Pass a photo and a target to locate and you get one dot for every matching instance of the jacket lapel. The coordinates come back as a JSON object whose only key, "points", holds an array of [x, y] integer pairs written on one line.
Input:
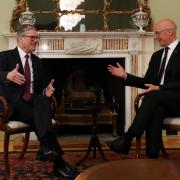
{"points": [[172, 58], [17, 60]]}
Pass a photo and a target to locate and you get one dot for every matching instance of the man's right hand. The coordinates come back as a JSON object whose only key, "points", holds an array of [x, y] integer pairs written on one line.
{"points": [[15, 76]]}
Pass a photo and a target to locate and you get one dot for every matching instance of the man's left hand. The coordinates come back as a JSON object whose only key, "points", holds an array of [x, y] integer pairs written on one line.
{"points": [[150, 88], [49, 91]]}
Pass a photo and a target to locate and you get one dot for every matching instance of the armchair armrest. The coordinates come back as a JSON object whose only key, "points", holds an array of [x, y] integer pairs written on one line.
{"points": [[137, 101], [53, 106], [5, 109]]}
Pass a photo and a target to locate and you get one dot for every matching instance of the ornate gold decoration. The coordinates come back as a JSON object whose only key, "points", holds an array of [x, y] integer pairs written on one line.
{"points": [[20, 7], [105, 12]]}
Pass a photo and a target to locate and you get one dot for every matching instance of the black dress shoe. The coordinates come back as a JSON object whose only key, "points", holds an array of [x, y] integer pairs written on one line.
{"points": [[40, 156], [65, 171], [46, 154], [121, 145]]}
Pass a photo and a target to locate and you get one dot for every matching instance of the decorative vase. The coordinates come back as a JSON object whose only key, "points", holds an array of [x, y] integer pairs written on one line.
{"points": [[140, 19], [27, 17]]}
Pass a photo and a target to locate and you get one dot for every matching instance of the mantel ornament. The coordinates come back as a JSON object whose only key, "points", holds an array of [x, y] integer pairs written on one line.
{"points": [[27, 17], [140, 19]]}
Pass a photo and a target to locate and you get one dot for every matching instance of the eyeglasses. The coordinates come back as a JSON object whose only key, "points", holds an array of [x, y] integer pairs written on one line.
{"points": [[33, 37], [157, 33]]}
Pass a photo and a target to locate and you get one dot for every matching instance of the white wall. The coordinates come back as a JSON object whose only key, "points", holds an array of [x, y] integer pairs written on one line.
{"points": [[6, 8], [165, 9]]}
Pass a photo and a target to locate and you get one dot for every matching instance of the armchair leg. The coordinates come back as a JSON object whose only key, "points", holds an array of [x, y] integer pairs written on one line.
{"points": [[6, 154], [163, 149], [25, 144], [138, 147], [114, 125]]}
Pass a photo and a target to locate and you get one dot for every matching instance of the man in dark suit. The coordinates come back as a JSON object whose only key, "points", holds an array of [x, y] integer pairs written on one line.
{"points": [[24, 84], [162, 87]]}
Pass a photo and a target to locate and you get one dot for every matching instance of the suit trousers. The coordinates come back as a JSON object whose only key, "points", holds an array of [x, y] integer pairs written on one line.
{"points": [[37, 113], [155, 107]]}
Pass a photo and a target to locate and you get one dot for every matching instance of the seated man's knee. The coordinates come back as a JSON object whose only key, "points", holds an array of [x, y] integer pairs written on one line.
{"points": [[41, 98], [153, 95]]}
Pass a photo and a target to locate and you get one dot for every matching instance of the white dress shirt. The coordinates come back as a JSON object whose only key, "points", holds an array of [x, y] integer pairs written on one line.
{"points": [[172, 46], [23, 59]]}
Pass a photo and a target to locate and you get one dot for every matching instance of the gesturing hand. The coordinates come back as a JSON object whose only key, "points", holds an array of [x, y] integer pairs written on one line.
{"points": [[15, 76], [49, 91], [117, 71]]}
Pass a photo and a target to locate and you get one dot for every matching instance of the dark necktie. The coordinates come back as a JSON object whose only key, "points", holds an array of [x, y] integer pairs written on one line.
{"points": [[27, 94], [162, 67]]}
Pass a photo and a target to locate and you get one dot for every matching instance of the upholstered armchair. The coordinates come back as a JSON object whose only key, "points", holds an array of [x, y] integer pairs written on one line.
{"points": [[169, 123], [10, 127]]}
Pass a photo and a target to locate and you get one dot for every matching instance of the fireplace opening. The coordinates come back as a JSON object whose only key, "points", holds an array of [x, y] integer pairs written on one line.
{"points": [[80, 89], [83, 80]]}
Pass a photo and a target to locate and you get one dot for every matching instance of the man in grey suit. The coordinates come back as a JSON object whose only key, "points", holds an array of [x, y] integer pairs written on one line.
{"points": [[162, 87], [23, 82]]}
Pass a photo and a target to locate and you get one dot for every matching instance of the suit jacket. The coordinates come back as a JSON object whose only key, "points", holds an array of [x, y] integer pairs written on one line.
{"points": [[13, 91], [172, 72]]}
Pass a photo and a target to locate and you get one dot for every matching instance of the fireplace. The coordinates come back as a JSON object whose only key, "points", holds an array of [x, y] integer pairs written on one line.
{"points": [[134, 47], [86, 80]]}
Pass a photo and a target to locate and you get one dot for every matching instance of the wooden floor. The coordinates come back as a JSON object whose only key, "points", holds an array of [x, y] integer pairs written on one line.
{"points": [[171, 141]]}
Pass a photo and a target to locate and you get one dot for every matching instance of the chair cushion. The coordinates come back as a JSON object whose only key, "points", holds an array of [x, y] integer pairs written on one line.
{"points": [[172, 120], [53, 121], [18, 124]]}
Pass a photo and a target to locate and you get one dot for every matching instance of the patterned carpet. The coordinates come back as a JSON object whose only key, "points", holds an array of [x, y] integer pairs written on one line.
{"points": [[29, 169]]}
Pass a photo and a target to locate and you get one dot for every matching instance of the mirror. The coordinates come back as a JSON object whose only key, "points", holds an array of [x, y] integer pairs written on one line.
{"points": [[69, 15]]}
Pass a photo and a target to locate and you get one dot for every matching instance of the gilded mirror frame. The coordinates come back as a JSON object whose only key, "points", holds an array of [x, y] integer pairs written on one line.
{"points": [[53, 16]]}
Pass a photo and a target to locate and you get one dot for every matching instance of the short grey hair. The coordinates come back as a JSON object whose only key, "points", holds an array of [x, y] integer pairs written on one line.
{"points": [[23, 28]]}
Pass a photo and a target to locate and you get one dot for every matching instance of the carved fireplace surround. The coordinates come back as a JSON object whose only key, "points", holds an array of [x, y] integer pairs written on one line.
{"points": [[135, 47]]}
